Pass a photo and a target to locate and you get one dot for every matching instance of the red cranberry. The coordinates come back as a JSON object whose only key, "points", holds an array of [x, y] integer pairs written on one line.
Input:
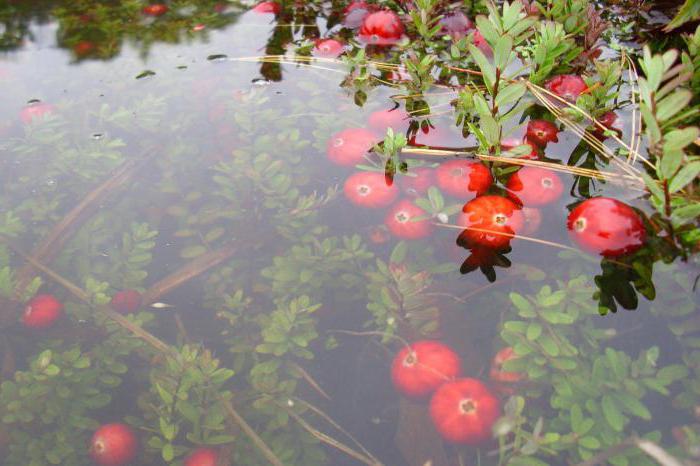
{"points": [[511, 143], [157, 9], [464, 411], [35, 110], [541, 132], [396, 119], [419, 369], [567, 86], [328, 48], [355, 12], [113, 445], [267, 8], [381, 28], [369, 189], [463, 179], [42, 311], [418, 181], [126, 301], [534, 186], [349, 147], [202, 457], [456, 25], [480, 43], [84, 47], [497, 373], [609, 120], [401, 223], [491, 221], [607, 227]]}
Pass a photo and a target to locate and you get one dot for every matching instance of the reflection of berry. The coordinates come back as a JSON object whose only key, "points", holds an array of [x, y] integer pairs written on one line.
{"points": [[267, 8], [508, 144], [491, 221], [400, 221], [355, 12], [328, 48], [417, 181], [348, 147], [396, 119], [607, 227], [126, 301], [455, 24], [369, 189], [35, 110], [534, 186]]}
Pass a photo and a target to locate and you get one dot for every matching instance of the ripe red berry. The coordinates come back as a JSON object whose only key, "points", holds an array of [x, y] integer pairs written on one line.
{"points": [[396, 119], [419, 369], [609, 120], [567, 86], [84, 47], [42, 311], [541, 132], [348, 147], [400, 223], [491, 221], [157, 9], [464, 411], [369, 189], [328, 48], [480, 43], [456, 25], [463, 179], [126, 301], [35, 110], [381, 28], [267, 7], [417, 181], [497, 373], [534, 186], [510, 143], [113, 445], [607, 227], [202, 457]]}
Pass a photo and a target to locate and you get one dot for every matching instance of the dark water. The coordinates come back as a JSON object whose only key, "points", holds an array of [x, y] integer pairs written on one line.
{"points": [[225, 158]]}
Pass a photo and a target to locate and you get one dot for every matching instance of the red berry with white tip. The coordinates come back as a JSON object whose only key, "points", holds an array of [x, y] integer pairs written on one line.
{"points": [[419, 369], [370, 189], [113, 445]]}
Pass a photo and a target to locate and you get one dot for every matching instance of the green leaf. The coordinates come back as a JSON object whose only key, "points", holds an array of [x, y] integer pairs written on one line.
{"points": [[680, 138], [168, 452], [487, 69], [633, 406], [164, 395], [612, 414], [673, 104], [191, 252], [510, 94], [670, 163], [502, 52], [219, 439], [686, 174], [534, 330]]}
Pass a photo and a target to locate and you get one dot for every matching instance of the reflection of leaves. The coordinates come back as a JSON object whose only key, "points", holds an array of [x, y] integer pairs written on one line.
{"points": [[619, 284], [484, 259]]}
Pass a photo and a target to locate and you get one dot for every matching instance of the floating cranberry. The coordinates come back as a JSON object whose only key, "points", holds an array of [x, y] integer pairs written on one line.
{"points": [[456, 25], [328, 48], [157, 9], [113, 445], [369, 189], [401, 223], [202, 457], [419, 369], [355, 12], [349, 147], [464, 411], [541, 132], [463, 179], [607, 227], [567, 86], [534, 186], [126, 301], [508, 144], [381, 28], [42, 311], [418, 181], [491, 221], [35, 110], [497, 373], [396, 119], [609, 120]]}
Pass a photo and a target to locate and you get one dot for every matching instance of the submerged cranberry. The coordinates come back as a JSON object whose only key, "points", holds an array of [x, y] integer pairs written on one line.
{"points": [[84, 47], [491, 221], [35, 110], [534, 186], [401, 221], [369, 189], [381, 28], [541, 132], [267, 7], [126, 301], [113, 445], [607, 227], [202, 457], [463, 179], [349, 147], [609, 120], [157, 9], [395, 118], [419, 369], [567, 86], [456, 25], [328, 48], [42, 311], [355, 12]]}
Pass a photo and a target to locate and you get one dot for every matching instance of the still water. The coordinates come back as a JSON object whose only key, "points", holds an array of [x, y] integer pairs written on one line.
{"points": [[190, 171]]}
